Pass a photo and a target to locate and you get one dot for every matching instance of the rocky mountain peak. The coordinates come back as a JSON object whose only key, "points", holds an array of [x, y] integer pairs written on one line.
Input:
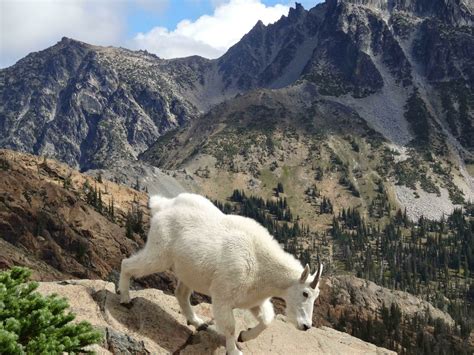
{"points": [[379, 4], [258, 26], [298, 10], [455, 12], [70, 41]]}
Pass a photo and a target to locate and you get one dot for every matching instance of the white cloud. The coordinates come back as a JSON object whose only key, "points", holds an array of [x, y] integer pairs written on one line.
{"points": [[210, 35], [32, 25]]}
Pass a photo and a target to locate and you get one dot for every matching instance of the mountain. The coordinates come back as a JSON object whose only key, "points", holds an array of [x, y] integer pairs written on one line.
{"points": [[380, 52], [90, 106], [404, 68]]}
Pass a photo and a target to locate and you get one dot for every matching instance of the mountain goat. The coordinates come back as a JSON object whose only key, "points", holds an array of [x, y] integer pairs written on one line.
{"points": [[231, 258]]}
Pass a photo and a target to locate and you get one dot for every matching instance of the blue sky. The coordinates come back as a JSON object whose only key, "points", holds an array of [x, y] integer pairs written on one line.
{"points": [[168, 28]]}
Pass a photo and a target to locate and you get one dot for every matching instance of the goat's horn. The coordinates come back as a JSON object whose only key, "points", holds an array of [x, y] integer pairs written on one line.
{"points": [[314, 283]]}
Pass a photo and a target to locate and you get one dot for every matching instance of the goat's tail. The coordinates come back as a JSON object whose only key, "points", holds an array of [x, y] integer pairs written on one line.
{"points": [[158, 203]]}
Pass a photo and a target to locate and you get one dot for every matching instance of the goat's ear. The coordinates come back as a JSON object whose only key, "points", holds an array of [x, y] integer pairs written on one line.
{"points": [[316, 279], [305, 274]]}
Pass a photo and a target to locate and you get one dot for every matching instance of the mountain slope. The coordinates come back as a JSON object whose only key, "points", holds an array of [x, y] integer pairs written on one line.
{"points": [[51, 215], [52, 222], [373, 50], [379, 91]]}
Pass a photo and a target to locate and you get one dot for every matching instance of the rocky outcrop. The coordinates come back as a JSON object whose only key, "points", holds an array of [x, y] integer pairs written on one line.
{"points": [[155, 325]]}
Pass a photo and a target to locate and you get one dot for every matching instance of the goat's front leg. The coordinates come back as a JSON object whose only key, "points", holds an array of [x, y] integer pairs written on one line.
{"points": [[225, 321], [265, 315]]}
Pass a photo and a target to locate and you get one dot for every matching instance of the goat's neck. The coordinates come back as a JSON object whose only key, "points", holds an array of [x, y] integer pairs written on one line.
{"points": [[279, 276]]}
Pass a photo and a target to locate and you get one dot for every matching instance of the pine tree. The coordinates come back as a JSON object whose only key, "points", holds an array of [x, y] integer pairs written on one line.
{"points": [[34, 324], [112, 209], [137, 185], [280, 188]]}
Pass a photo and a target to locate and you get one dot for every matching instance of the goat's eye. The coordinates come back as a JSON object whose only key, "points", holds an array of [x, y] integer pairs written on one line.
{"points": [[305, 294]]}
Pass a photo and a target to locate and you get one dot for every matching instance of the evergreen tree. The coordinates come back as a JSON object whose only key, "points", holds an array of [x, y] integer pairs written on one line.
{"points": [[280, 188], [34, 324]]}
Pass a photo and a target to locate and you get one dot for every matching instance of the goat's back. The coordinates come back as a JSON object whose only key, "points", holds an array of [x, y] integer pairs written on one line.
{"points": [[206, 246]]}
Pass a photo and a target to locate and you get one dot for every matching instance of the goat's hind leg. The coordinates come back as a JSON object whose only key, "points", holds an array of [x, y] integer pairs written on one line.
{"points": [[183, 293], [265, 315], [138, 265]]}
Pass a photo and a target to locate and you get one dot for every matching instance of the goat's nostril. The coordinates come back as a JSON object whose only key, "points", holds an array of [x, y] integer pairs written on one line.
{"points": [[306, 327]]}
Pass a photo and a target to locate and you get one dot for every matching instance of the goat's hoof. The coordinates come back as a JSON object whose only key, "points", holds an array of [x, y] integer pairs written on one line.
{"points": [[203, 326], [128, 305], [239, 339]]}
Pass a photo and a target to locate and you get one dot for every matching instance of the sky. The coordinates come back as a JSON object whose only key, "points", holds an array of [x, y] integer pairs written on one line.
{"points": [[168, 28]]}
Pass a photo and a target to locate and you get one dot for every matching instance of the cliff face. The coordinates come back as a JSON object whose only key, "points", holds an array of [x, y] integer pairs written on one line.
{"points": [[63, 224], [370, 53]]}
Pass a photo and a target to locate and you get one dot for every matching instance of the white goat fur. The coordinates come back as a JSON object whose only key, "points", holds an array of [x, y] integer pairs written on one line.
{"points": [[231, 258]]}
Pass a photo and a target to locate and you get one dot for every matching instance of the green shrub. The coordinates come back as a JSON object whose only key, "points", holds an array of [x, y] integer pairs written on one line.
{"points": [[31, 323]]}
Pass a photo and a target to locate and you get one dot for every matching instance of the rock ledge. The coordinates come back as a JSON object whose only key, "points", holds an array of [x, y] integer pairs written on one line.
{"points": [[154, 325]]}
